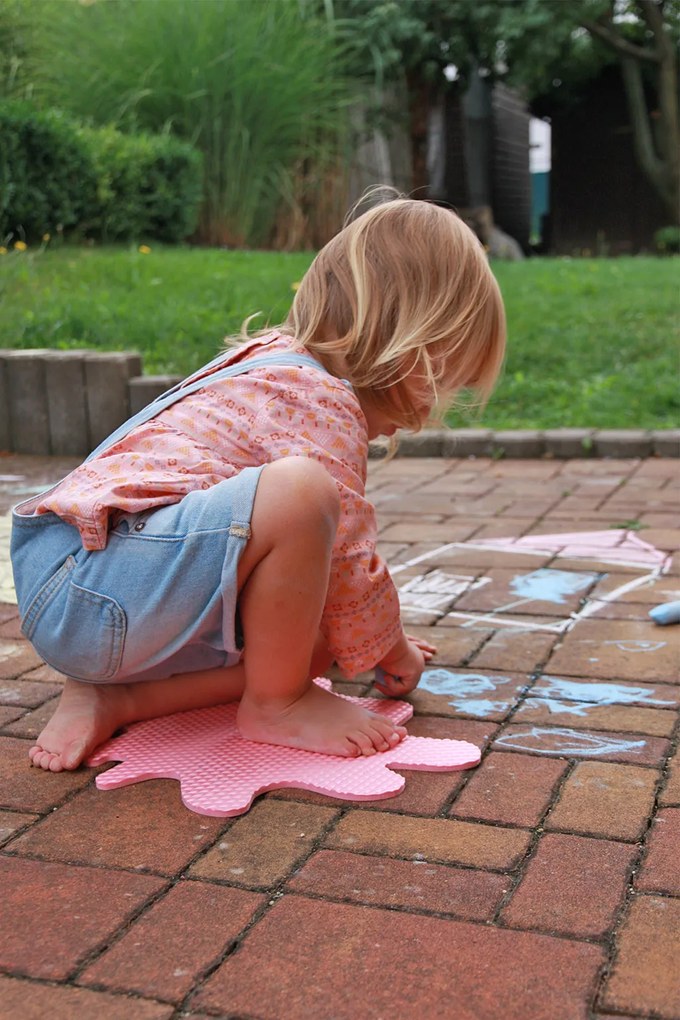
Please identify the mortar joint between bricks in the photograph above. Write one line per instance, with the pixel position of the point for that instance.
(112, 939)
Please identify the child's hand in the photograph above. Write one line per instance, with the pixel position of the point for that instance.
(428, 650)
(400, 670)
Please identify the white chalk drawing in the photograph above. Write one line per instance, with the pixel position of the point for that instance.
(637, 646)
(575, 743)
(471, 693)
(437, 590)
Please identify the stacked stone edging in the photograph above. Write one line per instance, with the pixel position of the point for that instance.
(562, 444)
(65, 403)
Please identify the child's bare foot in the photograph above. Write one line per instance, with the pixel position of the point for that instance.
(86, 716)
(318, 721)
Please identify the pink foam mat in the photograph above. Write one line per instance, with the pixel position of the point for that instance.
(220, 773)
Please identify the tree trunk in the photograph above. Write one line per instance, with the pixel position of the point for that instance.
(662, 170)
(657, 151)
(419, 102)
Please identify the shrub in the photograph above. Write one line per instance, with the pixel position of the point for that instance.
(57, 177)
(254, 85)
(667, 240)
(147, 185)
(47, 176)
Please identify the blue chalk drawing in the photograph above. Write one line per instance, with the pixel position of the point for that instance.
(466, 690)
(555, 707)
(548, 585)
(554, 689)
(567, 742)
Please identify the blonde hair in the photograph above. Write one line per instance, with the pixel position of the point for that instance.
(403, 304)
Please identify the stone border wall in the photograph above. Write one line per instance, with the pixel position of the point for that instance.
(65, 403)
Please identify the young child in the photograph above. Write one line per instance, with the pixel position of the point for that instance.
(219, 545)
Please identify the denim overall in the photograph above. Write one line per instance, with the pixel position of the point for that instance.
(161, 597)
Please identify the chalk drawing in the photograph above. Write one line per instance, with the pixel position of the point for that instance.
(595, 694)
(635, 647)
(567, 742)
(436, 590)
(614, 546)
(466, 691)
(550, 585)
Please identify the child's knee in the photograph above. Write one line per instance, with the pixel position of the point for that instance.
(302, 491)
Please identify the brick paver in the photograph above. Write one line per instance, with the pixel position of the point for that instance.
(644, 979)
(194, 923)
(671, 791)
(660, 871)
(512, 789)
(436, 839)
(544, 884)
(319, 953)
(572, 885)
(620, 650)
(603, 799)
(114, 830)
(413, 885)
(54, 915)
(32, 1001)
(260, 849)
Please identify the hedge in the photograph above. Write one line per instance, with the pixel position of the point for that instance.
(148, 186)
(59, 177)
(47, 178)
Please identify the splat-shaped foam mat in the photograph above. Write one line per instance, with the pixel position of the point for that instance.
(220, 773)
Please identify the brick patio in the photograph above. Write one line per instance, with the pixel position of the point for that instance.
(542, 885)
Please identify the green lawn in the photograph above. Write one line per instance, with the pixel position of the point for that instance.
(592, 342)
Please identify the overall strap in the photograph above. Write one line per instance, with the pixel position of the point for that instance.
(192, 385)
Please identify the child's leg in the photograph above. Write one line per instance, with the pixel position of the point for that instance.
(283, 579)
(88, 714)
(283, 584)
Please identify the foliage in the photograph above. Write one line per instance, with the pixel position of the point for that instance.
(667, 240)
(47, 177)
(592, 342)
(419, 38)
(148, 186)
(548, 48)
(642, 35)
(57, 178)
(251, 85)
(17, 49)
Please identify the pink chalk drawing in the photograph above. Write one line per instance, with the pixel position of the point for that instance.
(612, 546)
(220, 773)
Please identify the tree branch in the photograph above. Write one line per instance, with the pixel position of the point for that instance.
(618, 43)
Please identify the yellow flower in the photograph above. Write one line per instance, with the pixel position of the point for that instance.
(20, 246)
(296, 285)
(144, 249)
(3, 251)
(46, 237)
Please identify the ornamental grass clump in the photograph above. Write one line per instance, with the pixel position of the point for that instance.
(252, 85)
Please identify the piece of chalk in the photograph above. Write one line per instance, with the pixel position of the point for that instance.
(381, 675)
(668, 612)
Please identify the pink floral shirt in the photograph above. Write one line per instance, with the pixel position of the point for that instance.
(272, 412)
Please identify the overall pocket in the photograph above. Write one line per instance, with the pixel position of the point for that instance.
(76, 631)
